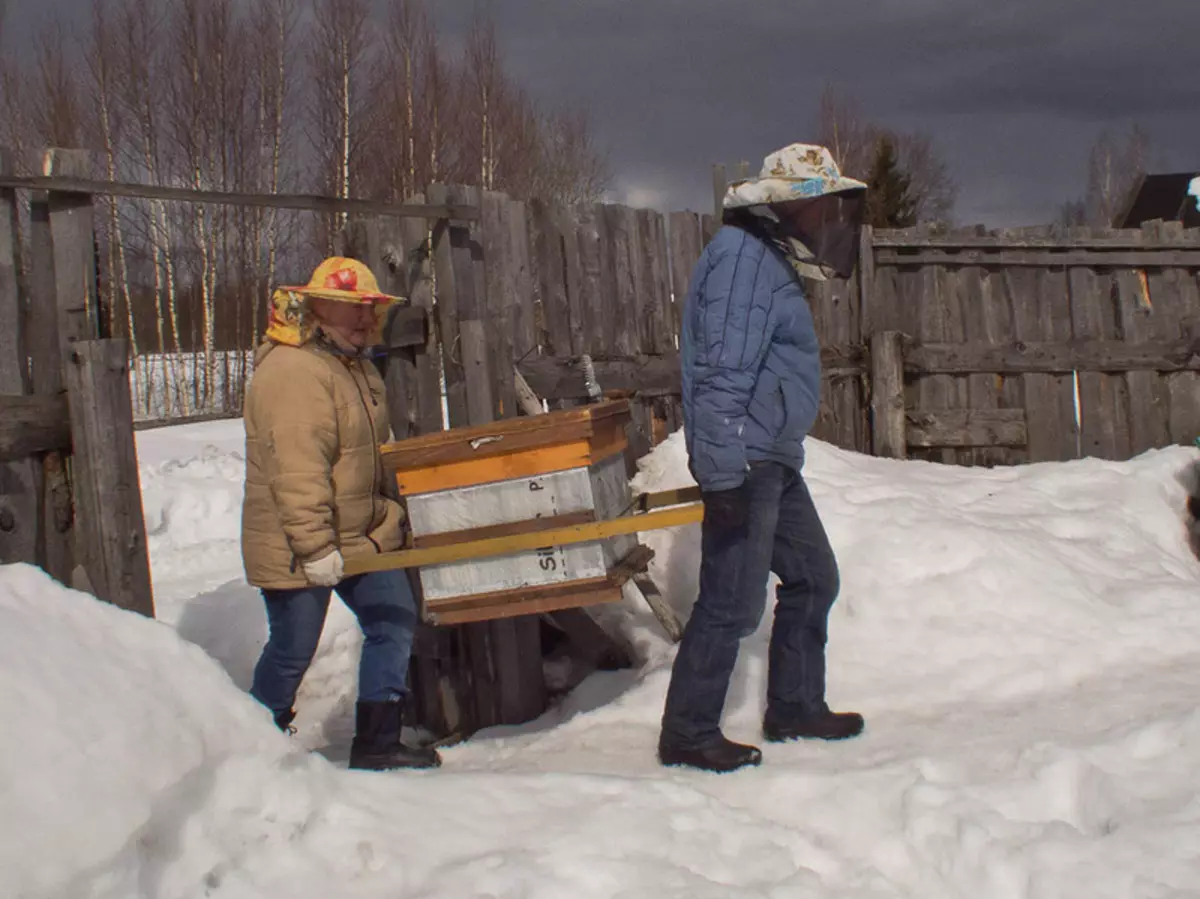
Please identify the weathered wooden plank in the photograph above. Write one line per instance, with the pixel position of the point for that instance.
(898, 309)
(1146, 389)
(462, 301)
(1060, 357)
(65, 183)
(111, 526)
(1178, 312)
(546, 244)
(988, 319)
(1042, 258)
(413, 236)
(14, 346)
(1103, 404)
(627, 305)
(966, 428)
(1050, 239)
(19, 487)
(71, 226)
(498, 301)
(519, 291)
(937, 391)
(373, 242)
(954, 285)
(685, 251)
(527, 604)
(659, 315)
(517, 650)
(720, 184)
(1040, 304)
(597, 323)
(33, 424)
(685, 248)
(505, 655)
(888, 435)
(866, 282)
(56, 509)
(568, 229)
(647, 376)
(481, 406)
(621, 304)
(817, 296)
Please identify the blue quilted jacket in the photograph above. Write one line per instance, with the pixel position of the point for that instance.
(751, 364)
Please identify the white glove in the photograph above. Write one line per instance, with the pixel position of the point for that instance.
(326, 571)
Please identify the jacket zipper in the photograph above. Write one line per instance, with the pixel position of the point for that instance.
(374, 444)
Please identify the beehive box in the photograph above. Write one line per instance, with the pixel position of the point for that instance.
(512, 477)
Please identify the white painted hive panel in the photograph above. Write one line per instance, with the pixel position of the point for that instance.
(599, 488)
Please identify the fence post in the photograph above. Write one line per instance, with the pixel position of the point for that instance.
(18, 477)
(72, 227)
(56, 537)
(111, 527)
(720, 183)
(888, 420)
(866, 281)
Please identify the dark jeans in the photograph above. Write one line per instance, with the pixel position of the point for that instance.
(783, 535)
(387, 613)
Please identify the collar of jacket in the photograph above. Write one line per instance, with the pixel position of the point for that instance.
(325, 343)
(769, 230)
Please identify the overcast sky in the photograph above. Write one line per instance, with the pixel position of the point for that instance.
(1013, 91)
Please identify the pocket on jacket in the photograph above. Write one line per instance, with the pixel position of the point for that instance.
(798, 416)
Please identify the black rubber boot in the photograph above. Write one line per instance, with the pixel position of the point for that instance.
(283, 720)
(720, 756)
(377, 745)
(824, 725)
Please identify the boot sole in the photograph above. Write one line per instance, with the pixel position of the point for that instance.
(713, 769)
(792, 738)
(386, 764)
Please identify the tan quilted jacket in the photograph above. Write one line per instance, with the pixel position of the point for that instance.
(314, 479)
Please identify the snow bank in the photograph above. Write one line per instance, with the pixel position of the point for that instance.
(1022, 642)
(105, 715)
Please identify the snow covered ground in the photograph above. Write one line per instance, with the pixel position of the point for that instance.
(1023, 642)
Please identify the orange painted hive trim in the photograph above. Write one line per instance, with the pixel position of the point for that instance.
(505, 437)
(531, 463)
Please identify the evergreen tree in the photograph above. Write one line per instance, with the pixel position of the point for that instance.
(890, 203)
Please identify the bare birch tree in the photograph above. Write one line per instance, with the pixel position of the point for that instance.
(341, 45)
(1114, 167)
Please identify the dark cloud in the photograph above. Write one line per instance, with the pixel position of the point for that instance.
(1014, 93)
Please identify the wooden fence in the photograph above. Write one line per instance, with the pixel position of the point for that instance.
(1041, 345)
(973, 348)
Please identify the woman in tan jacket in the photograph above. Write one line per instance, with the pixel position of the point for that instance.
(316, 495)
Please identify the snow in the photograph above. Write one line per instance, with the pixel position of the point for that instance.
(1022, 641)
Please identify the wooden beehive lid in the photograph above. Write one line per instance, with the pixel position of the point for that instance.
(595, 424)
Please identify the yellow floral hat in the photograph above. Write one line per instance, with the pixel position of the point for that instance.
(337, 278)
(795, 172)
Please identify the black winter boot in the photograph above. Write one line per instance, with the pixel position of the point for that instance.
(720, 756)
(779, 726)
(283, 720)
(377, 745)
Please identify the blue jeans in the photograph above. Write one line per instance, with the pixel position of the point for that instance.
(386, 609)
(784, 535)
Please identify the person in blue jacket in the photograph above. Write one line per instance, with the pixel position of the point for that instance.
(751, 378)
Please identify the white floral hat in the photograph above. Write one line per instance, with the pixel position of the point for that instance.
(797, 172)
